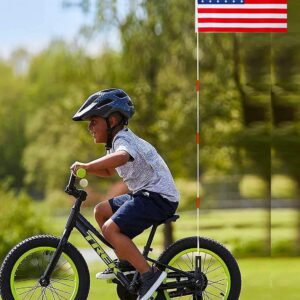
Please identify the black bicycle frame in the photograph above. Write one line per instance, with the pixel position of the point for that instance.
(89, 232)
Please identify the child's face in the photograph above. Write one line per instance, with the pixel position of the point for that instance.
(97, 127)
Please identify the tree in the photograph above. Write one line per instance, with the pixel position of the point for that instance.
(13, 118)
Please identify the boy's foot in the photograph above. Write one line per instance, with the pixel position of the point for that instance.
(123, 265)
(150, 282)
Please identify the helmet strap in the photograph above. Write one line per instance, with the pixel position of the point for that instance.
(110, 131)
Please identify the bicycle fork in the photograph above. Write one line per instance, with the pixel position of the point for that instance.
(45, 278)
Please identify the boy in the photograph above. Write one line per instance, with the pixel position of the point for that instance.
(154, 196)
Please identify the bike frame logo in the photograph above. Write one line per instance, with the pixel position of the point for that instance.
(100, 251)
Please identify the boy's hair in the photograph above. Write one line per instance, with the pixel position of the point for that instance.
(122, 120)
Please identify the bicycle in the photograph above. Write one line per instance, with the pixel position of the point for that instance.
(46, 267)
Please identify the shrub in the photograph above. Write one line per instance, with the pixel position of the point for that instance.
(19, 219)
(284, 187)
(187, 190)
(57, 202)
(252, 186)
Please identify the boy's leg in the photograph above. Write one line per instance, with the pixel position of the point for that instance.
(151, 277)
(124, 247)
(102, 212)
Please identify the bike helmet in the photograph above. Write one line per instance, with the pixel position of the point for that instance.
(105, 102)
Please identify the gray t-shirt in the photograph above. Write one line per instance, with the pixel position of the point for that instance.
(146, 170)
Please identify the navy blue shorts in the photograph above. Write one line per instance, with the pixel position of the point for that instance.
(134, 213)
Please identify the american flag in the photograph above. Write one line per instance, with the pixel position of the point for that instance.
(241, 16)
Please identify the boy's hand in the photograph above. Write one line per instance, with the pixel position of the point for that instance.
(77, 165)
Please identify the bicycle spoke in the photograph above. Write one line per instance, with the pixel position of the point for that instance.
(213, 270)
(213, 294)
(217, 276)
(43, 293)
(60, 290)
(193, 260)
(51, 289)
(27, 292)
(178, 266)
(190, 259)
(204, 292)
(208, 265)
(211, 285)
(204, 261)
(217, 282)
(32, 294)
(39, 297)
(186, 263)
(58, 282)
(51, 293)
(24, 287)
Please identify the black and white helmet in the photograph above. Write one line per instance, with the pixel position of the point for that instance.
(105, 102)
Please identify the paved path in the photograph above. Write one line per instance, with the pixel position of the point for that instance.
(90, 255)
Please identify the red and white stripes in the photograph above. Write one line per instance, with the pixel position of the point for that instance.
(241, 16)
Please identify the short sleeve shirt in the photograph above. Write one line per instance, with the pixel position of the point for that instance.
(146, 170)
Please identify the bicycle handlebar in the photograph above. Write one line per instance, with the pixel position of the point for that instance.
(71, 183)
(72, 190)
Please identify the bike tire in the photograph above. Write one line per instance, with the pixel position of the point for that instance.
(214, 258)
(26, 262)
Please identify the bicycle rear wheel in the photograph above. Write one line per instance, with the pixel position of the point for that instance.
(219, 278)
(25, 264)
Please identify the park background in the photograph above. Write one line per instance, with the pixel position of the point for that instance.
(250, 131)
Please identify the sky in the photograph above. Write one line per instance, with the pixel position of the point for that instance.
(33, 23)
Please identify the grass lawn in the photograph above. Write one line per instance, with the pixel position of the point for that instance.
(263, 279)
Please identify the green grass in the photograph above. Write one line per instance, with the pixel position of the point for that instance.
(262, 279)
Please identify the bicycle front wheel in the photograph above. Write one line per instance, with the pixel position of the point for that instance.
(218, 276)
(23, 267)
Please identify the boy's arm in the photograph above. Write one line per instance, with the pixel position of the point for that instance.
(104, 166)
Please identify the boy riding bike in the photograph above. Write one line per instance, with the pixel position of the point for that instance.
(153, 198)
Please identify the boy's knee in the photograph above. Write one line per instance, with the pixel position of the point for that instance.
(97, 210)
(99, 214)
(109, 229)
(102, 211)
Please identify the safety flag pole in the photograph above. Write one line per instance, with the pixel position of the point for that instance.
(198, 134)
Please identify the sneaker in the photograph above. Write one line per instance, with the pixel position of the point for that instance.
(123, 265)
(150, 282)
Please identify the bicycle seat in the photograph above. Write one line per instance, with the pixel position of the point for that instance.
(171, 219)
